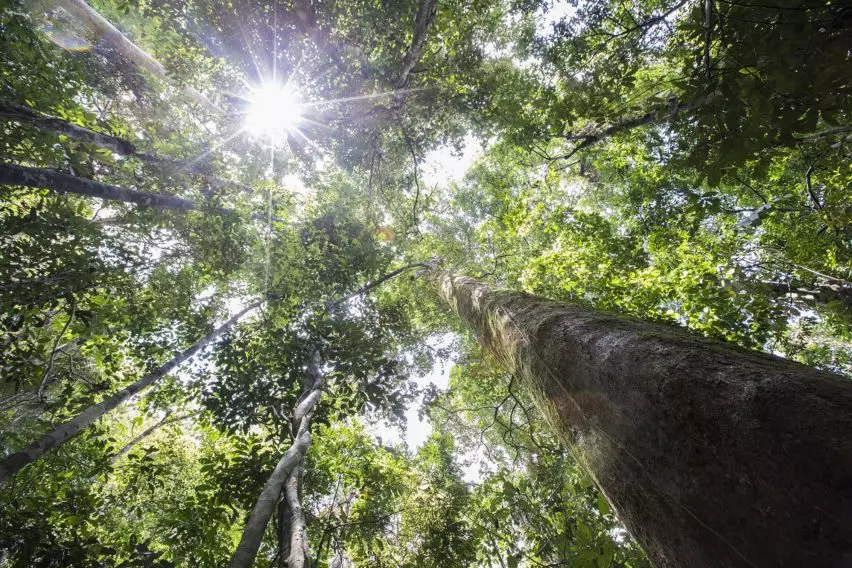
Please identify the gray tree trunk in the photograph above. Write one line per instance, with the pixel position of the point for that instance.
(712, 455)
(63, 433)
(246, 551)
(26, 115)
(288, 468)
(11, 174)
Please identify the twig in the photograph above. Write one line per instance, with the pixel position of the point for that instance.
(810, 188)
(43, 385)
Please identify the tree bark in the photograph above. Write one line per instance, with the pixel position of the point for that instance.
(26, 115)
(711, 455)
(283, 532)
(587, 139)
(33, 118)
(374, 284)
(102, 28)
(258, 519)
(422, 22)
(288, 468)
(298, 529)
(61, 434)
(11, 174)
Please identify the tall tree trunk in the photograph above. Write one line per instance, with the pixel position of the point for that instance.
(11, 174)
(102, 28)
(31, 117)
(712, 455)
(287, 468)
(298, 528)
(73, 427)
(258, 519)
(283, 531)
(422, 22)
(26, 115)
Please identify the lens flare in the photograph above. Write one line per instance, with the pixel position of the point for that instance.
(274, 111)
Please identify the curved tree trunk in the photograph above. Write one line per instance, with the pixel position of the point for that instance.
(11, 174)
(258, 519)
(712, 455)
(73, 427)
(285, 478)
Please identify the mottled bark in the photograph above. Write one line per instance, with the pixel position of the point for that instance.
(301, 422)
(287, 468)
(422, 22)
(711, 455)
(11, 174)
(283, 532)
(73, 427)
(102, 28)
(258, 519)
(298, 557)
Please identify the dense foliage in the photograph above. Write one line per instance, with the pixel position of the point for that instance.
(683, 162)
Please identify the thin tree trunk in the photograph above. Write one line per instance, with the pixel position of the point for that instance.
(289, 464)
(675, 108)
(590, 138)
(298, 528)
(26, 115)
(712, 455)
(167, 419)
(422, 22)
(102, 28)
(73, 427)
(11, 174)
(370, 285)
(258, 519)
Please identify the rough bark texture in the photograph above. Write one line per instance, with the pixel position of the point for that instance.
(283, 532)
(102, 28)
(712, 455)
(11, 174)
(65, 432)
(298, 529)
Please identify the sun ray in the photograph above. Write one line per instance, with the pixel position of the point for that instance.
(189, 163)
(323, 102)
